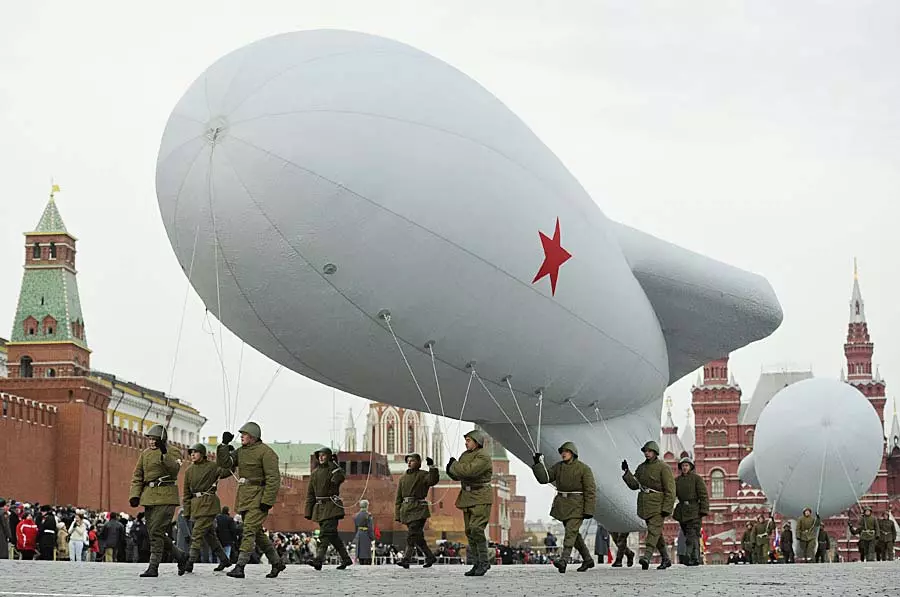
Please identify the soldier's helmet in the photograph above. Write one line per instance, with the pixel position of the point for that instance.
(413, 456)
(477, 436)
(324, 450)
(198, 448)
(252, 429)
(867, 510)
(363, 504)
(157, 432)
(651, 445)
(571, 447)
(686, 459)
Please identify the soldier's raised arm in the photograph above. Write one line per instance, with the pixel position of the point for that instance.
(476, 467)
(434, 476)
(628, 477)
(542, 473)
(226, 456)
(337, 471)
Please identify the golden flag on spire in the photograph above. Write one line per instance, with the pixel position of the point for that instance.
(54, 188)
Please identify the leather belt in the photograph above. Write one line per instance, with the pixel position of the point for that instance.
(362, 528)
(49, 531)
(649, 490)
(566, 494)
(473, 487)
(412, 500)
(159, 483)
(252, 483)
(327, 498)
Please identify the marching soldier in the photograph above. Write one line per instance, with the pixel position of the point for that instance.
(411, 507)
(867, 529)
(887, 536)
(324, 505)
(693, 505)
(258, 483)
(787, 542)
(762, 540)
(807, 539)
(653, 478)
(365, 533)
(622, 549)
(154, 485)
(747, 542)
(201, 504)
(574, 502)
(474, 471)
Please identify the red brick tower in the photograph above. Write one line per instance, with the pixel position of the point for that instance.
(858, 350)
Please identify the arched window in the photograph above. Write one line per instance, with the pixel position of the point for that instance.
(717, 481)
(25, 368)
(391, 434)
(410, 439)
(51, 372)
(749, 438)
(36, 251)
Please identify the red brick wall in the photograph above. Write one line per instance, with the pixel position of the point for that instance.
(27, 446)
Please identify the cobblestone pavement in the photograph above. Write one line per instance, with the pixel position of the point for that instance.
(65, 579)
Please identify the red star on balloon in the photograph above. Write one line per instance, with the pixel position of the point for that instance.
(554, 257)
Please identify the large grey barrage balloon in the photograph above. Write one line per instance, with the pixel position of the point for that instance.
(818, 444)
(747, 471)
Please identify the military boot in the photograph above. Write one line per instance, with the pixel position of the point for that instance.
(346, 560)
(484, 562)
(238, 570)
(587, 562)
(630, 555)
(618, 562)
(224, 562)
(475, 558)
(407, 557)
(429, 557)
(665, 563)
(317, 561)
(180, 558)
(644, 561)
(152, 570)
(189, 565)
(277, 565)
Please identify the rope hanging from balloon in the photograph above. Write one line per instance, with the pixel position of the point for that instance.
(187, 291)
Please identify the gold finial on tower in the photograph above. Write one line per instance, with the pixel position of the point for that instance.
(54, 189)
(668, 403)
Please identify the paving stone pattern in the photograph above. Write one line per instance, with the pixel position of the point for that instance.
(59, 579)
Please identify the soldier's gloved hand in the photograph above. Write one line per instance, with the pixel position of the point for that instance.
(666, 514)
(585, 516)
(429, 461)
(334, 458)
(265, 507)
(625, 466)
(134, 502)
(227, 437)
(449, 464)
(537, 457)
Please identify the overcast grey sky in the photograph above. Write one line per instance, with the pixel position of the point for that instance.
(764, 134)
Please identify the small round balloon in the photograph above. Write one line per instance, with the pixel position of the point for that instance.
(818, 444)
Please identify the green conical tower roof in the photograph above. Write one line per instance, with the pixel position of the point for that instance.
(51, 222)
(49, 308)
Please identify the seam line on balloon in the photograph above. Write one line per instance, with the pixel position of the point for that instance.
(446, 240)
(178, 196)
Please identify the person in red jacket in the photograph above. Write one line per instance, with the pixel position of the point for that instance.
(26, 537)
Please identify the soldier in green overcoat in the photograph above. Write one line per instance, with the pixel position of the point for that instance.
(656, 500)
(867, 529)
(806, 534)
(762, 540)
(575, 500)
(324, 506)
(787, 542)
(201, 505)
(474, 471)
(887, 536)
(154, 485)
(693, 505)
(411, 507)
(748, 543)
(258, 483)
